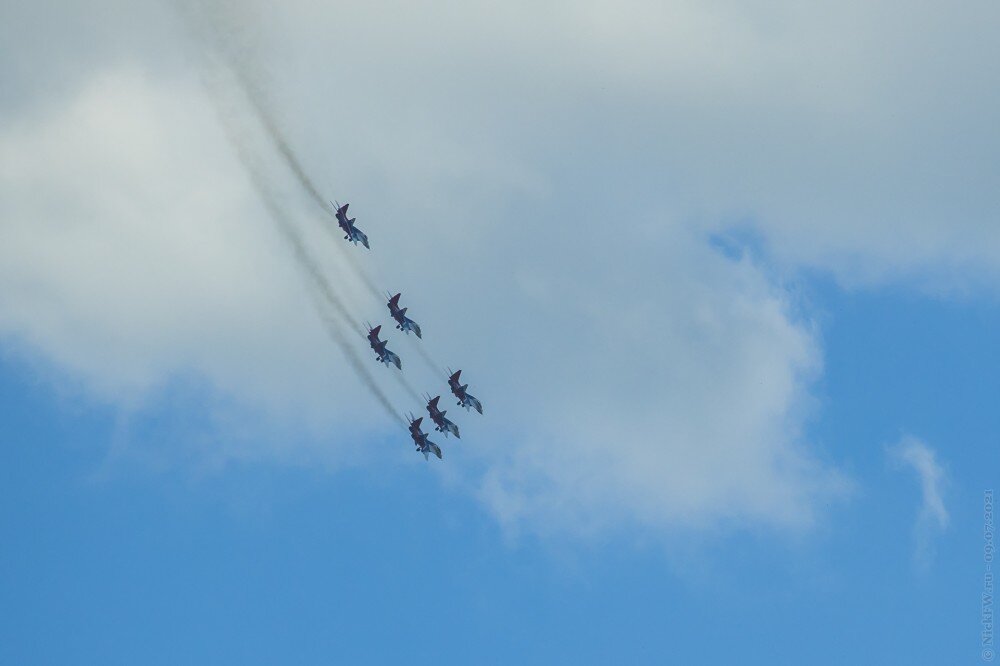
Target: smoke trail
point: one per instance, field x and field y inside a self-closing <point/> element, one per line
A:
<point x="319" y="281"/>
<point x="321" y="284"/>
<point x="435" y="367"/>
<point x="409" y="389"/>
<point x="263" y="113"/>
<point x="352" y="259"/>
<point x="219" y="44"/>
<point x="255" y="97"/>
<point x="196" y="14"/>
<point x="293" y="163"/>
<point x="253" y="94"/>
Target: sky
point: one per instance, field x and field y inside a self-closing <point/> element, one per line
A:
<point x="722" y="274"/>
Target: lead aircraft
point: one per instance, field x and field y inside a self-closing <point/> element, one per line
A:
<point x="352" y="233"/>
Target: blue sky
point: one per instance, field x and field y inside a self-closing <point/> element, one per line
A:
<point x="723" y="276"/>
<point x="121" y="562"/>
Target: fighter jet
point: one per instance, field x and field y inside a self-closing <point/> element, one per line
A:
<point x="379" y="347"/>
<point x="403" y="322"/>
<point x="465" y="399"/>
<point x="352" y="233"/>
<point x="420" y="440"/>
<point x="441" y="424"/>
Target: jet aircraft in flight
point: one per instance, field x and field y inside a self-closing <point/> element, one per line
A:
<point x="379" y="347"/>
<point x="351" y="232"/>
<point x="465" y="399"/>
<point x="420" y="440"/>
<point x="441" y="424"/>
<point x="403" y="322"/>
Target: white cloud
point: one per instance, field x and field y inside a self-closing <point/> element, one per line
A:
<point x="933" y="516"/>
<point x="680" y="406"/>
<point x="135" y="255"/>
<point x="659" y="382"/>
<point x="541" y="182"/>
<point x="857" y="136"/>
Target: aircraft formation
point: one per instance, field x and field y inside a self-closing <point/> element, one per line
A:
<point x="387" y="357"/>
